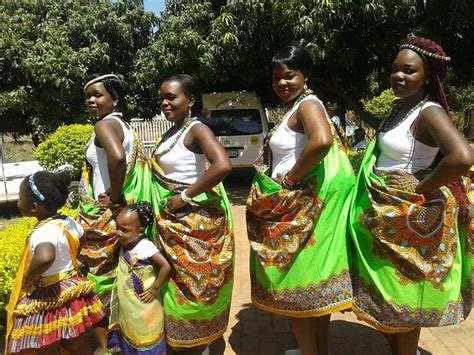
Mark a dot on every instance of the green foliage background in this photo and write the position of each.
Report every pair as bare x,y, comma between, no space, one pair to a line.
12,240
67,145
379,106
50,47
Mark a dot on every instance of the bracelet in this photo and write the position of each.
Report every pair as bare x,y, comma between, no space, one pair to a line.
185,197
288,181
289,184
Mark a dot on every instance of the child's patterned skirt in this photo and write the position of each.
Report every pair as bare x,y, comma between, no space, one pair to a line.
63,310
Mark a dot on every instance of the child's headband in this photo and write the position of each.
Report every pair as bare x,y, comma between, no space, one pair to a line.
35,190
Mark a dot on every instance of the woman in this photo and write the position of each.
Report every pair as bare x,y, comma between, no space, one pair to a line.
115,172
297,211
194,220
408,217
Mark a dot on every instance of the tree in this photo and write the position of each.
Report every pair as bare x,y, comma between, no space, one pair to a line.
49,48
229,47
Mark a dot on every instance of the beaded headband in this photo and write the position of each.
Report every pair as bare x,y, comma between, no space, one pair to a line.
35,190
426,53
100,78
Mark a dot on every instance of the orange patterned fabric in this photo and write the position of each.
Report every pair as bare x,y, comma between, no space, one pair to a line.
419,235
282,223
200,246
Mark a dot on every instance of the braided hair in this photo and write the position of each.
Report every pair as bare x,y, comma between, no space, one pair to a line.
435,58
144,211
437,61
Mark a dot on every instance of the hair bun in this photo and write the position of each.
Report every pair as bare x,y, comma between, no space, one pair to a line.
64,178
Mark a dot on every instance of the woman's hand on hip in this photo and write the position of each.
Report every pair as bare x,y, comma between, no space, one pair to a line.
103,200
175,203
401,180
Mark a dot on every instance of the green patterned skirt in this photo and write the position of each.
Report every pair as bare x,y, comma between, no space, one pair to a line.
199,243
99,249
414,256
299,260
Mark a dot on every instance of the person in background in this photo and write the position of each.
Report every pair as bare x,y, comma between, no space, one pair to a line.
335,120
360,140
410,217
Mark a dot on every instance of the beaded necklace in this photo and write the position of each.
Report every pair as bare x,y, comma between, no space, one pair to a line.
166,136
385,126
266,156
304,95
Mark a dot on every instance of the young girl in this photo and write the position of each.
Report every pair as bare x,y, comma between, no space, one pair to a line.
50,305
136,319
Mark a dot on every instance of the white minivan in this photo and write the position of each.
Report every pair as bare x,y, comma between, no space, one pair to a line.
239,122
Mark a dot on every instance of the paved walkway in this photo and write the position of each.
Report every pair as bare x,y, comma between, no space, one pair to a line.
252,331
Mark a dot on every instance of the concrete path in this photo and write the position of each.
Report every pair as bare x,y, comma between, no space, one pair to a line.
252,331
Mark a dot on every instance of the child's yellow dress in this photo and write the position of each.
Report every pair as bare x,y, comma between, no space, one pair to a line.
136,327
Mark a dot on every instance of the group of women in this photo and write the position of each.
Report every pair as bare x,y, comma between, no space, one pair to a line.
395,244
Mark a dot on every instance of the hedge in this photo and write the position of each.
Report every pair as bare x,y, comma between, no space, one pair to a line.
12,240
67,145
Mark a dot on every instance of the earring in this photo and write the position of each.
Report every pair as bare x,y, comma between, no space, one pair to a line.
305,87
189,112
115,104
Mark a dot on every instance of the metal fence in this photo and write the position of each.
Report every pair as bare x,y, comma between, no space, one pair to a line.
150,130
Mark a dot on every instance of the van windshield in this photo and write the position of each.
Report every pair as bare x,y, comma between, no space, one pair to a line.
234,122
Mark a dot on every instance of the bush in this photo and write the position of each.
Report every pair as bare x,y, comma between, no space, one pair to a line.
356,159
461,102
65,146
380,106
12,240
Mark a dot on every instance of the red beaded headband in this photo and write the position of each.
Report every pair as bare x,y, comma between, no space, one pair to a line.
426,53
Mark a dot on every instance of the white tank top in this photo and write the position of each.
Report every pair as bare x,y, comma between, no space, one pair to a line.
286,145
180,163
97,158
52,233
399,150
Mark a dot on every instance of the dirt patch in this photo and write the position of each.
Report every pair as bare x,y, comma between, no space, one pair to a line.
16,150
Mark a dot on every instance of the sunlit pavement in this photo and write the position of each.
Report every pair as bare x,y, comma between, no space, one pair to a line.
252,331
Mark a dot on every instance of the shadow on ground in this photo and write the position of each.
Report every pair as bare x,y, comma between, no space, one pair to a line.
260,333
237,185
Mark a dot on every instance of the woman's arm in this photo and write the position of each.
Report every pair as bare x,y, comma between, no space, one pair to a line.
43,257
202,138
320,139
458,154
163,276
110,135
